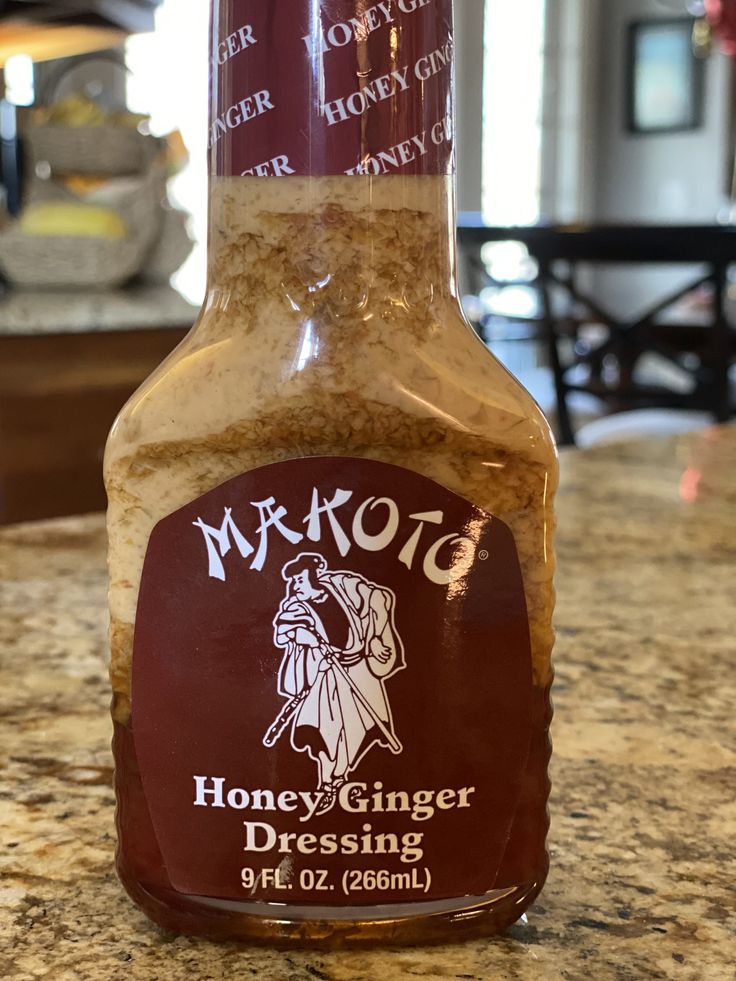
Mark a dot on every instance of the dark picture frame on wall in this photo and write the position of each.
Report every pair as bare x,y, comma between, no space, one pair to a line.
665,81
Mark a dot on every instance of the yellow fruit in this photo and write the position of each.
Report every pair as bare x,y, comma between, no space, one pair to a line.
130,120
81,185
55,219
77,110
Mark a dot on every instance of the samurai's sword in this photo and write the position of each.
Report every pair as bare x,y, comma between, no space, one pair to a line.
283,719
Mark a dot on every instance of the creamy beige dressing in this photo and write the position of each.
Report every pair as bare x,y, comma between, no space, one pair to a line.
331,328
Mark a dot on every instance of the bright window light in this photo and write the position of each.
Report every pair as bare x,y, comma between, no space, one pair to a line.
19,84
512,111
169,80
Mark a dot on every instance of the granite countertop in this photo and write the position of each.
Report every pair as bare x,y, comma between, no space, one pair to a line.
643,815
26,313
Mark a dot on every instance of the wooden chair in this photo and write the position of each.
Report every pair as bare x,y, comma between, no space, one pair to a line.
705,352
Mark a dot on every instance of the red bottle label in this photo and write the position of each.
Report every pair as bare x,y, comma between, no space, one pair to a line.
332,688
331,87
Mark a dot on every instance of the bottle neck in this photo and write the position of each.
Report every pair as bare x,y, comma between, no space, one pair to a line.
332,150
342,239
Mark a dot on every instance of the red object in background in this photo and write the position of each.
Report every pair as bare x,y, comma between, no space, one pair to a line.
721,15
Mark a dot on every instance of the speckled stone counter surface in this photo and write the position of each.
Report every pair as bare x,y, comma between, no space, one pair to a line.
643,809
25,313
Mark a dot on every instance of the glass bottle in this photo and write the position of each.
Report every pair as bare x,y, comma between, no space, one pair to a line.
330,525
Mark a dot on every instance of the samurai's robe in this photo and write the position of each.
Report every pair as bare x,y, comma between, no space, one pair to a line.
352,622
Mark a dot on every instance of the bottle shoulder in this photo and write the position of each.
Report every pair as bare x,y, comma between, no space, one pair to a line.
306,383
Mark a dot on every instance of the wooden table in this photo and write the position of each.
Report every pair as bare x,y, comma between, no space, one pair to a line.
559,250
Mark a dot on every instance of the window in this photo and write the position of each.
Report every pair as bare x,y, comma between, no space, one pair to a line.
512,111
169,79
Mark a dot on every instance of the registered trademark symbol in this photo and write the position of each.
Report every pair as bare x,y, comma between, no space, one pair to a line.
483,555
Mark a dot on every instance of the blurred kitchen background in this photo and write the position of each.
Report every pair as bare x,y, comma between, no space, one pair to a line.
596,195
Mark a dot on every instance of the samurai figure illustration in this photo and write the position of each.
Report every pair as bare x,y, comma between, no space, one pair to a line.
340,643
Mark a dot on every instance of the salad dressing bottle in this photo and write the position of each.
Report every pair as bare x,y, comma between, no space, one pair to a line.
330,525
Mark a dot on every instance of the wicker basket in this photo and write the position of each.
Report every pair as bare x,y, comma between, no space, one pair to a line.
112,151
138,201
140,204
68,262
172,249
